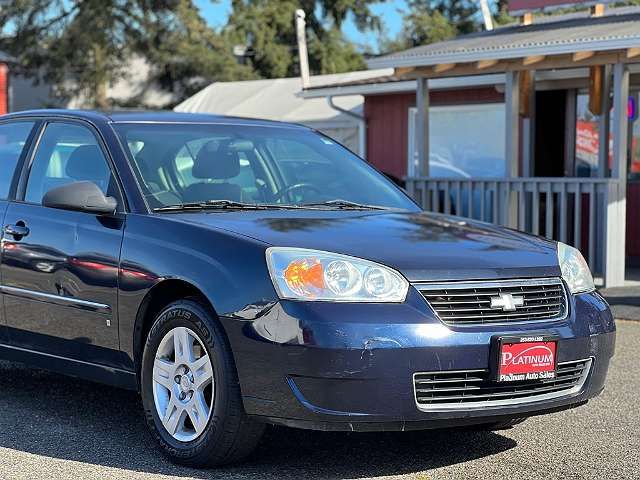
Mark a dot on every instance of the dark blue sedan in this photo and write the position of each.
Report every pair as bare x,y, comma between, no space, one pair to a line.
240,272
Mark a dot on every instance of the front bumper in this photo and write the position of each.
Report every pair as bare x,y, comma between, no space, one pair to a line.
350,366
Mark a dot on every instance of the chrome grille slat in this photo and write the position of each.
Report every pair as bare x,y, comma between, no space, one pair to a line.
469,303
481,391
480,309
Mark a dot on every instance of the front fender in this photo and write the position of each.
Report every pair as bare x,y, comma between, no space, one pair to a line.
229,269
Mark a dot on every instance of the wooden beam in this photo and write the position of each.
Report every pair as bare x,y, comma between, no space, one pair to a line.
596,77
548,63
604,123
524,90
403,71
482,64
532,60
597,10
579,56
527,19
633,52
444,67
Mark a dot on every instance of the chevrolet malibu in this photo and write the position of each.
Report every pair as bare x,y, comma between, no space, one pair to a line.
239,273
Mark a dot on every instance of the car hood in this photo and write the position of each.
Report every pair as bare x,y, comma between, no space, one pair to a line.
423,246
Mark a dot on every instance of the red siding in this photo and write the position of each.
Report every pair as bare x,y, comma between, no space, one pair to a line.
4,89
388,121
633,225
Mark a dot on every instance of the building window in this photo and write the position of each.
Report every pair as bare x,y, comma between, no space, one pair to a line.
464,141
587,139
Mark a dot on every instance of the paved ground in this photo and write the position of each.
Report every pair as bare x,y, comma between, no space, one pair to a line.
624,301
52,427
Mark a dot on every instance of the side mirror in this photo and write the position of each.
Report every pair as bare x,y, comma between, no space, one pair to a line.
81,197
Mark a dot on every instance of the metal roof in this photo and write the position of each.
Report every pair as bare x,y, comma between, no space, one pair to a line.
6,58
279,99
619,28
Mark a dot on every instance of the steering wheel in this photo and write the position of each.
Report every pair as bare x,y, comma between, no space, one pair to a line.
297,186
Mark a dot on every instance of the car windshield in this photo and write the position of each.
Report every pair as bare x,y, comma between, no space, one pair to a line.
183,166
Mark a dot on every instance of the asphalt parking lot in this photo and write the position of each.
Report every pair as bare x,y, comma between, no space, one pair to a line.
53,427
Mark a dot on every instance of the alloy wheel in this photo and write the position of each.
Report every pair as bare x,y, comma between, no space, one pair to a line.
183,384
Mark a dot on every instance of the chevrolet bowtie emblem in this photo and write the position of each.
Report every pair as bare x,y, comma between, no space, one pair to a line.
507,302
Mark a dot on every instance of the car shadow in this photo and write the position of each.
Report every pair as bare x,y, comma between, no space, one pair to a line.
54,416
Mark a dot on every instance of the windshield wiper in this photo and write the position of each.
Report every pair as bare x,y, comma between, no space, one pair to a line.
222,205
344,205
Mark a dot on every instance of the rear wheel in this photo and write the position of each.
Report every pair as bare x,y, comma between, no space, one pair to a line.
190,389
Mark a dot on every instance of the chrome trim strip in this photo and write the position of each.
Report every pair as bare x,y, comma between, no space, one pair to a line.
59,357
518,282
481,404
56,299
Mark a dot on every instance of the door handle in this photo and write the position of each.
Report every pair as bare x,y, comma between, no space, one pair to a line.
17,231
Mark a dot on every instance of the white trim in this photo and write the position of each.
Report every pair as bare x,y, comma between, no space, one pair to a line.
450,83
404,86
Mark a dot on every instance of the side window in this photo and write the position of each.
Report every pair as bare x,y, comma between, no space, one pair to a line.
13,137
67,153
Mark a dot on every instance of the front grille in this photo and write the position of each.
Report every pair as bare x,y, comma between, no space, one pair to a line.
474,389
464,303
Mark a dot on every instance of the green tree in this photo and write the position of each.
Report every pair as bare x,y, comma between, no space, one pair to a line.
429,21
268,27
83,46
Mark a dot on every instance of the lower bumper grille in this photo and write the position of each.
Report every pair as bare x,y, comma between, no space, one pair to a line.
474,389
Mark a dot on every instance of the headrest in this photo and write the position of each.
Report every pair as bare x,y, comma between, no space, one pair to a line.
217,161
87,163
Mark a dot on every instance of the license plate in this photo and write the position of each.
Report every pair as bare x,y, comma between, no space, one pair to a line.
526,358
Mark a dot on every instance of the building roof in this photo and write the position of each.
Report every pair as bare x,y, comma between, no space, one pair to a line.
6,58
278,99
619,28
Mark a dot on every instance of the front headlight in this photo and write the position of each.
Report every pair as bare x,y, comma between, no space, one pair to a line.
575,270
313,275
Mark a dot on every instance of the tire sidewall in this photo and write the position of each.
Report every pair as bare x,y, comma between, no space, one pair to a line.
193,316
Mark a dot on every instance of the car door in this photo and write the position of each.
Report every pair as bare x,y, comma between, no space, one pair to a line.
60,268
14,139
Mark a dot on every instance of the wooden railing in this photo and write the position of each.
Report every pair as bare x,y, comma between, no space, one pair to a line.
584,212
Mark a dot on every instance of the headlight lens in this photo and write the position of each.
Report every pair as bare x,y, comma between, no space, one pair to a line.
313,275
575,270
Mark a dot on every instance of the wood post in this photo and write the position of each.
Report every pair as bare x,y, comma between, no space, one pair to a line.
603,122
422,126
615,251
512,141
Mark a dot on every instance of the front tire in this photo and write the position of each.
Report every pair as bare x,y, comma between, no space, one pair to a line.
190,389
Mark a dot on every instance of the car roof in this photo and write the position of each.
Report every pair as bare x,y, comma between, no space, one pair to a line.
141,116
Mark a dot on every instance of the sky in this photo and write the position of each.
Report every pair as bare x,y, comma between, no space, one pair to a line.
216,15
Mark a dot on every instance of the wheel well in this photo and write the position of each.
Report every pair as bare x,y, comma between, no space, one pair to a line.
156,300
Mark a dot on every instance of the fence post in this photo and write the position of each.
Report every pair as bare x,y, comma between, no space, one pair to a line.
614,256
615,244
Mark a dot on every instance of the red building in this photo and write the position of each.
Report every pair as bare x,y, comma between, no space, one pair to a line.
4,83
505,126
